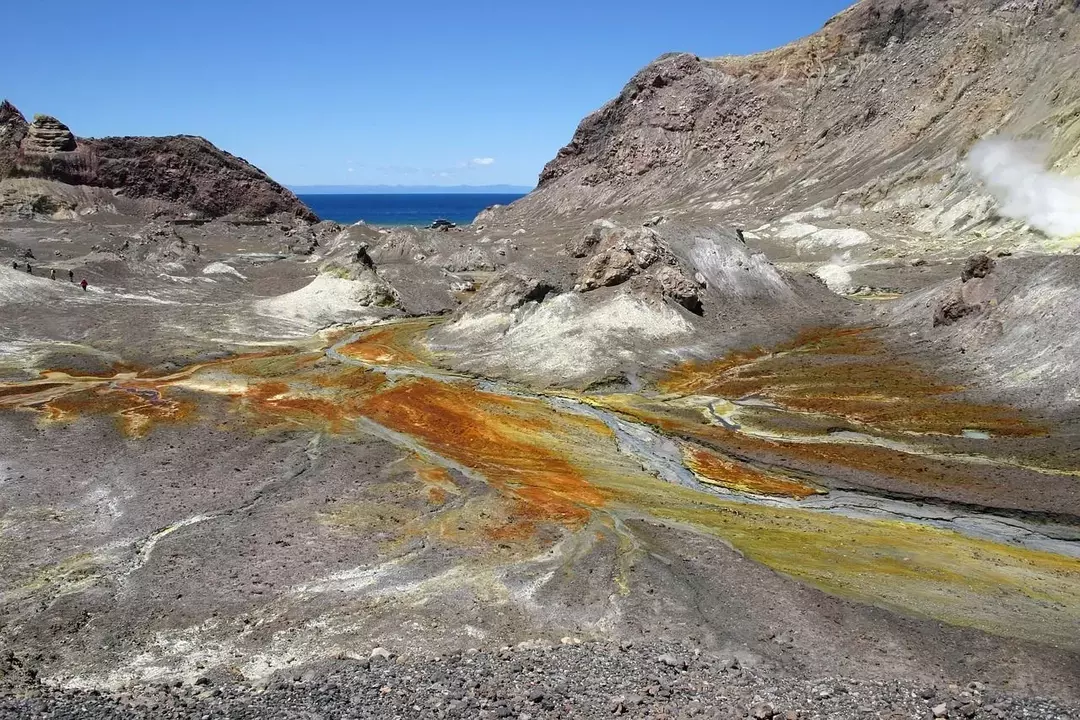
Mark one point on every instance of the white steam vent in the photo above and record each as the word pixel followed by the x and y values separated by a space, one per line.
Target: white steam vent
pixel 1015 175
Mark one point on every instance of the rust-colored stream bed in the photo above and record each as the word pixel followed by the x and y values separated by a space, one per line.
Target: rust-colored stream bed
pixel 778 451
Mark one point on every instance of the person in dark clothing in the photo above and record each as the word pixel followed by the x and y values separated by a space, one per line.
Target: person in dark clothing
pixel 15 265
pixel 52 274
pixel 71 276
pixel 29 269
pixel 84 284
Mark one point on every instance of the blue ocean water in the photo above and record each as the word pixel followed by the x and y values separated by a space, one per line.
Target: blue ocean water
pixel 403 209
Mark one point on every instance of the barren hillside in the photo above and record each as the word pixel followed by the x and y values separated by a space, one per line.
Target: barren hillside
pixel 868 119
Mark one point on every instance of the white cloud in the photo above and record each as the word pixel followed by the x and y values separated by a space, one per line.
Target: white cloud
pixel 483 161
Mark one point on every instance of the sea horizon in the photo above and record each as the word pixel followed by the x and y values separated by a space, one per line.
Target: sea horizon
pixel 404 208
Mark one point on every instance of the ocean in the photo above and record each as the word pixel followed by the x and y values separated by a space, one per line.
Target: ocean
pixel 403 209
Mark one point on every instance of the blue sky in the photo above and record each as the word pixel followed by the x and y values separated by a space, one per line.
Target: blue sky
pixel 361 92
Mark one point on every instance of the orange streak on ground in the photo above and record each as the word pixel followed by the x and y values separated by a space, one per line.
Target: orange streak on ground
pixel 846 374
pixel 135 414
pixel 713 468
pixel 394 344
pixel 515 443
pixel 276 401
pixel 436 495
pixel 819 458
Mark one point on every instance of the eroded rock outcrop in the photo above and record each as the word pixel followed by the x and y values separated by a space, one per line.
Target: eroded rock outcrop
pixel 177 174
pixel 47 135
pixel 619 254
pixel 974 295
pixel 505 293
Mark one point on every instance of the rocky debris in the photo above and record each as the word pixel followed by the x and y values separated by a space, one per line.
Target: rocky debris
pixel 535 680
pixel 974 295
pixel 579 246
pixel 621 254
pixel 302 243
pixel 506 292
pixel 47 135
pixel 959 304
pixel 176 174
pixel 442 224
pixel 467 259
pixel 401 245
pixel 305 239
pixel 977 266
pixel 674 284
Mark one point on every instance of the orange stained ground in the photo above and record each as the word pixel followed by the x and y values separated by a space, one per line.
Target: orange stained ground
pixel 135 414
pixel 521 446
pixel 926 472
pixel 393 344
pixel 733 475
pixel 847 374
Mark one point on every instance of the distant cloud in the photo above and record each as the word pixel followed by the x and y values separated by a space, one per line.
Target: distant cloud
pixel 483 161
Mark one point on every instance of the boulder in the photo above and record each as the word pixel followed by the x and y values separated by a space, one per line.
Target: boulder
pixel 622 254
pixel 582 245
pixel 674 284
pixel 506 292
pixel 977 266
pixel 972 296
pixel 467 259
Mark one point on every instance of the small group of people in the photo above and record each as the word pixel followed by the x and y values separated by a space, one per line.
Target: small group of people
pixel 52 273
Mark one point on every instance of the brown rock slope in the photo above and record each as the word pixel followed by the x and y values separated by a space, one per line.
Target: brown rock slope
pixel 178 173
pixel 889 95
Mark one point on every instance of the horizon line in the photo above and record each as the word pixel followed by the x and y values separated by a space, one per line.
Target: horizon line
pixel 495 188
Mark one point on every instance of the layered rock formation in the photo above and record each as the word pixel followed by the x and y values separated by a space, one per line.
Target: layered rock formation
pixel 177 174
pixel 47 135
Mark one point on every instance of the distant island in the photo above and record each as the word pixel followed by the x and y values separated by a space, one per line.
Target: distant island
pixel 410 189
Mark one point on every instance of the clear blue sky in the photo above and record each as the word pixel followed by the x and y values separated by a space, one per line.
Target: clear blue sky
pixel 400 92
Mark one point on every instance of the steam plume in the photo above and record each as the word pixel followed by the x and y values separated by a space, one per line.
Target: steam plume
pixel 1024 188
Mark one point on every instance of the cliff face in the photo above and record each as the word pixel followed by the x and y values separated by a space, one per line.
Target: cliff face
pixel 888 93
pixel 185 173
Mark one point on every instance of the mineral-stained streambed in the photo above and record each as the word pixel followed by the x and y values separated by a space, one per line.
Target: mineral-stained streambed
pixel 822 459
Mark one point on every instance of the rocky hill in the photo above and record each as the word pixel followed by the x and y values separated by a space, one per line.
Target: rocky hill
pixel 868 120
pixel 179 173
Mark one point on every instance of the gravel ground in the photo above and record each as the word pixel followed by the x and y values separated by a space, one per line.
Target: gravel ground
pixel 593 680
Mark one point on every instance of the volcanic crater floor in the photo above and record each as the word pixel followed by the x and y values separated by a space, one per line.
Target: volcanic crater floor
pixel 255 513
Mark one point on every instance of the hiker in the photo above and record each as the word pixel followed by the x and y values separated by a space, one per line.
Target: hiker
pixel 52 274
pixel 84 284
pixel 15 265
pixel 71 276
pixel 29 269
